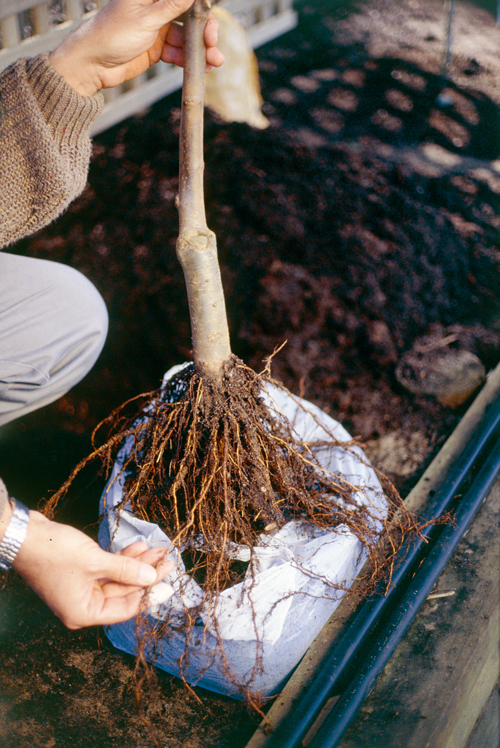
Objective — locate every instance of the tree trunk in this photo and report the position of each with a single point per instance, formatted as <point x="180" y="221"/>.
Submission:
<point x="196" y="245"/>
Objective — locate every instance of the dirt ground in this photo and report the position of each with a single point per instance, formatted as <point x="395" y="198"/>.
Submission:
<point x="365" y="217"/>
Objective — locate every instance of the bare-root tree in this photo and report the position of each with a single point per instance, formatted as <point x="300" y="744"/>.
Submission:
<point x="209" y="461"/>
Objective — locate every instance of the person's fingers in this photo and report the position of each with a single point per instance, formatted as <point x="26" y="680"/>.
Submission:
<point x="157" y="558"/>
<point x="152" y="556"/>
<point x="215" y="58"/>
<point x="173" y="51"/>
<point x="113" y="610"/>
<point x="211" y="31"/>
<point x="175" y="56"/>
<point x="163" y="11"/>
<point x="174" y="35"/>
<point x="116" y="609"/>
<point x="126" y="570"/>
<point x="133" y="550"/>
<point x="143" y="553"/>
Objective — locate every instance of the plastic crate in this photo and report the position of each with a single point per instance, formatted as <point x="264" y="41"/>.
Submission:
<point x="28" y="27"/>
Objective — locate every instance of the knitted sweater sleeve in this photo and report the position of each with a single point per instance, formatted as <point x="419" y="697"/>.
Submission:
<point x="44" y="145"/>
<point x="44" y="150"/>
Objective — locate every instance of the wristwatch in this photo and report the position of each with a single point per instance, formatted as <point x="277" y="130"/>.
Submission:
<point x="14" y="535"/>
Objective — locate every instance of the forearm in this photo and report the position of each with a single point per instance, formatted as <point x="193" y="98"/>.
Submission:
<point x="82" y="584"/>
<point x="48" y="104"/>
<point x="5" y="509"/>
<point x="45" y="145"/>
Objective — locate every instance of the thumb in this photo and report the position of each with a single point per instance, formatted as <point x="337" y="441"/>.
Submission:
<point x="128" y="571"/>
<point x="165" y="11"/>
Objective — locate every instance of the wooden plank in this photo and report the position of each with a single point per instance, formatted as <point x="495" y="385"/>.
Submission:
<point x="41" y="18"/>
<point x="36" y="44"/>
<point x="266" y="10"/>
<point x="41" y="43"/>
<point x="9" y="28"/>
<point x="486" y="731"/>
<point x="438" y="682"/>
<point x="74" y="9"/>
<point x="10" y="7"/>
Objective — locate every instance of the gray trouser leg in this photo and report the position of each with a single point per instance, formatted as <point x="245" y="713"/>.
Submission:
<point x="53" y="324"/>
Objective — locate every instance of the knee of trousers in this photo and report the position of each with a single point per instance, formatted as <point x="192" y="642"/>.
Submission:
<point x="83" y="321"/>
<point x="56" y="337"/>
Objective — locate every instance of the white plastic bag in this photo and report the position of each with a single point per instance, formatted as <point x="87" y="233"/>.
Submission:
<point x="282" y="608"/>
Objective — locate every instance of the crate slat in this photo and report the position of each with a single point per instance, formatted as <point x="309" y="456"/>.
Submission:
<point x="12" y="7"/>
<point x="41" y="20"/>
<point x="74" y="9"/>
<point x="34" y="45"/>
<point x="11" y="36"/>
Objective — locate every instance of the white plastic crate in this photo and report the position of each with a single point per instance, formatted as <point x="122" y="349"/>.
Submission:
<point x="28" y="27"/>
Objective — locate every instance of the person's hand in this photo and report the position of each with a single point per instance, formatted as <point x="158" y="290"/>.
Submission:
<point x="123" y="40"/>
<point x="82" y="584"/>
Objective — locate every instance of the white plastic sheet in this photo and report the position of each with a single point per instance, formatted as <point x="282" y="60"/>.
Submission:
<point x="281" y="610"/>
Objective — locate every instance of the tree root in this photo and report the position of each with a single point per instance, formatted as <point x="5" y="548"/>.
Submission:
<point x="215" y="468"/>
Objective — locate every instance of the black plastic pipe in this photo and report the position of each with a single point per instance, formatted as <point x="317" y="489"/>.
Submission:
<point x="292" y="730"/>
<point x="408" y="606"/>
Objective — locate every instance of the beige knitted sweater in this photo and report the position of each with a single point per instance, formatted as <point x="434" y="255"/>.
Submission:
<point x="44" y="150"/>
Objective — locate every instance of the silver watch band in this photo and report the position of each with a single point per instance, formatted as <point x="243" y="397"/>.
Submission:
<point x="14" y="535"/>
